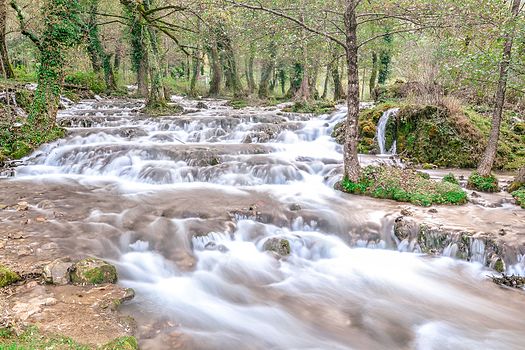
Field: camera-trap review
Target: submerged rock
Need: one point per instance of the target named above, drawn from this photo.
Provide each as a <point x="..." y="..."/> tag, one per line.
<point x="58" y="272"/>
<point x="7" y="276"/>
<point x="278" y="245"/>
<point x="93" y="271"/>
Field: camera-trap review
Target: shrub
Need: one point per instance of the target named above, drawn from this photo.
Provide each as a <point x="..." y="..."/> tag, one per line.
<point x="90" y="80"/>
<point x="404" y="185"/>
<point x="451" y="178"/>
<point x="483" y="183"/>
<point x="519" y="196"/>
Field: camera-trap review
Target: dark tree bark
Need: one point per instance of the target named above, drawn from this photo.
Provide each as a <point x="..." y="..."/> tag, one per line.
<point x="250" y="79"/>
<point x="352" y="169"/>
<point x="487" y="161"/>
<point x="267" y="71"/>
<point x="196" y="71"/>
<point x="5" y="65"/>
<point x="216" y="71"/>
<point x="296" y="80"/>
<point x="373" y="75"/>
<point x="326" y="81"/>
<point x="339" y="93"/>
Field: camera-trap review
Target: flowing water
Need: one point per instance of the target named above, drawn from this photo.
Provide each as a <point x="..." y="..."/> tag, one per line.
<point x="381" y="132"/>
<point x="183" y="206"/>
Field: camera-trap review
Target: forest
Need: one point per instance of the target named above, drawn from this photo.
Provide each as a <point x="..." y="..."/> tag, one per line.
<point x="262" y="174"/>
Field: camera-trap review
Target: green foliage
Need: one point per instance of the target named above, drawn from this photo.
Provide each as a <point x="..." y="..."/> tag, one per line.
<point x="404" y="185"/>
<point x="483" y="183"/>
<point x="23" y="73"/>
<point x="451" y="178"/>
<point x="122" y="343"/>
<point x="7" y="276"/>
<point x="238" y="103"/>
<point x="90" y="80"/>
<point x="519" y="196"/>
<point x="317" y="107"/>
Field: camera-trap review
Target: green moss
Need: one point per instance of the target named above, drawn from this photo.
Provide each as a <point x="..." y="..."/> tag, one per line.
<point x="483" y="183"/>
<point x="122" y="343"/>
<point x="519" y="196"/>
<point x="238" y="104"/>
<point x="316" y="107"/>
<point x="92" y="271"/>
<point x="7" y="276"/>
<point x="159" y="110"/>
<point x="499" y="266"/>
<point x="33" y="339"/>
<point x="451" y="178"/>
<point x="404" y="185"/>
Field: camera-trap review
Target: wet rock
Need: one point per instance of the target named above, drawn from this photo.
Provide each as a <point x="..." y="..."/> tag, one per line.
<point x="58" y="272"/>
<point x="7" y="276"/>
<point x="201" y="105"/>
<point x="433" y="211"/>
<point x="278" y="245"/>
<point x="406" y="212"/>
<point x="295" y="207"/>
<point x="475" y="195"/>
<point x="22" y="206"/>
<point x="93" y="271"/>
<point x="502" y="232"/>
<point x="405" y="228"/>
<point x="498" y="264"/>
<point x="509" y="281"/>
<point x="16" y="235"/>
<point x="24" y="251"/>
<point x="122" y="343"/>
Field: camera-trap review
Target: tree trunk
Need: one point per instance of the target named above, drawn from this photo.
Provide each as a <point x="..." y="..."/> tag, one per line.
<point x="282" y="80"/>
<point x="156" y="95"/>
<point x="352" y="169"/>
<point x="373" y="74"/>
<point x="216" y="72"/>
<point x="196" y="71"/>
<point x="338" y="85"/>
<point x="487" y="161"/>
<point x="296" y="80"/>
<point x="250" y="79"/>
<point x="313" y="81"/>
<point x="142" y="78"/>
<point x="139" y="53"/>
<point x="267" y="71"/>
<point x="5" y="66"/>
<point x="385" y="57"/>
<point x="326" y="79"/>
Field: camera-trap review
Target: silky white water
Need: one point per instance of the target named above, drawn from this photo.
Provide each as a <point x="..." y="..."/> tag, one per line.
<point x="381" y="132"/>
<point x="183" y="206"/>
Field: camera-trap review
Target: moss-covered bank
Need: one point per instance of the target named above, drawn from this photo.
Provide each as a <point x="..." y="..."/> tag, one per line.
<point x="404" y="185"/>
<point x="433" y="135"/>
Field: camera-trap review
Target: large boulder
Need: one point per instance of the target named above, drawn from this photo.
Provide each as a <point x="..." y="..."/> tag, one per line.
<point x="7" y="276"/>
<point x="93" y="271"/>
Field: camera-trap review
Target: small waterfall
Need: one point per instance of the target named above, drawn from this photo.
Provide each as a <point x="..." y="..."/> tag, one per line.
<point x="381" y="131"/>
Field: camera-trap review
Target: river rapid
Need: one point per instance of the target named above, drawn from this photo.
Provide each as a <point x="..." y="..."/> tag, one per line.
<point x="183" y="206"/>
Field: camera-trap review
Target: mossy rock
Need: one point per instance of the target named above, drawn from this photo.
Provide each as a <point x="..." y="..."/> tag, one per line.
<point x="122" y="343"/>
<point x="93" y="271"/>
<point x="451" y="178"/>
<point x="278" y="245"/>
<point x="7" y="276"/>
<point x="483" y="183"/>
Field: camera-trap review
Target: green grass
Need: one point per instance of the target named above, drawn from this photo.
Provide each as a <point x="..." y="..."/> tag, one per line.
<point x="91" y="80"/>
<point x="404" y="185"/>
<point x="483" y="183"/>
<point x="33" y="339"/>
